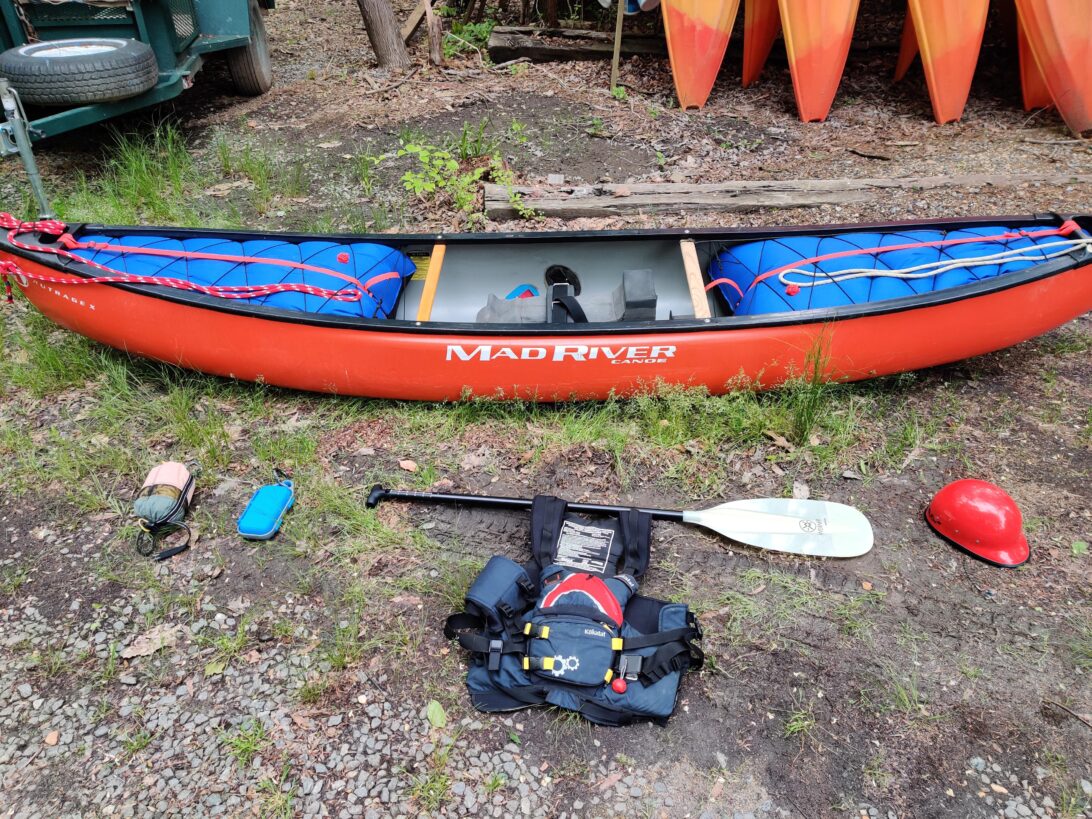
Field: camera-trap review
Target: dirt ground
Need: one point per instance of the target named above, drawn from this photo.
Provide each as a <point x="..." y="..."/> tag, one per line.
<point x="912" y="682"/>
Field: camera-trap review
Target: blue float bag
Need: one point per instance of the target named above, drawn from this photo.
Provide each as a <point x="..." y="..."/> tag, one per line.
<point x="363" y="261"/>
<point x="740" y="272"/>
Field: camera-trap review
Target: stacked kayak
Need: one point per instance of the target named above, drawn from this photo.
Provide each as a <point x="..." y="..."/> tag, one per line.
<point x="587" y="315"/>
<point x="697" y="34"/>
<point x="949" y="37"/>
<point x="1058" y="39"/>
<point x="1054" y="41"/>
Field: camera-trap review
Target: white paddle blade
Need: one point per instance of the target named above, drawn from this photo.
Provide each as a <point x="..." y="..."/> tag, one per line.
<point x="799" y="527"/>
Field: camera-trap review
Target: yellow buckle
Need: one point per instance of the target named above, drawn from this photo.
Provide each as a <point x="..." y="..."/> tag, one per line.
<point x="616" y="643"/>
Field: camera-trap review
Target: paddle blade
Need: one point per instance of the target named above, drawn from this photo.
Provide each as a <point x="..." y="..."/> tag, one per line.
<point x="799" y="527"/>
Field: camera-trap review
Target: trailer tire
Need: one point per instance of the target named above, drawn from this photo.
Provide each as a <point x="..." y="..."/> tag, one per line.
<point x="80" y="71"/>
<point x="250" y="67"/>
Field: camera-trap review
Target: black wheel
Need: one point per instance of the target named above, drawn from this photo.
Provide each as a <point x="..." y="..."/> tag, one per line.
<point x="250" y="66"/>
<point x="80" y="71"/>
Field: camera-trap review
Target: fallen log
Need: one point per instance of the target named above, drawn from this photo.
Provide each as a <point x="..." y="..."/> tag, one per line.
<point x="572" y="202"/>
<point x="544" y="45"/>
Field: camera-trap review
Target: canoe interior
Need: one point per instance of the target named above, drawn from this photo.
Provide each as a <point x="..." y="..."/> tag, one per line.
<point x="471" y="272"/>
<point x="699" y="275"/>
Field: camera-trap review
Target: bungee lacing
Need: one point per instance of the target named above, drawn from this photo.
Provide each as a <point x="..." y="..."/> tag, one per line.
<point x="815" y="278"/>
<point x="65" y="243"/>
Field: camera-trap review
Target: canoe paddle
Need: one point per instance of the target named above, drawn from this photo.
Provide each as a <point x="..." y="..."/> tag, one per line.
<point x="800" y="527"/>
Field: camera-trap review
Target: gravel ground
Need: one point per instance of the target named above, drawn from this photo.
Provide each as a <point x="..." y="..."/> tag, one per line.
<point x="254" y="705"/>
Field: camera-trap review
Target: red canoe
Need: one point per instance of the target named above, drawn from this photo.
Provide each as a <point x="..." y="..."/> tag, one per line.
<point x="557" y="315"/>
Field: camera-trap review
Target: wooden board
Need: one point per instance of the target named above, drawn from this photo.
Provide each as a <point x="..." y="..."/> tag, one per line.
<point x="544" y="45"/>
<point x="569" y="202"/>
<point x="414" y="20"/>
<point x="694" y="279"/>
<point x="432" y="281"/>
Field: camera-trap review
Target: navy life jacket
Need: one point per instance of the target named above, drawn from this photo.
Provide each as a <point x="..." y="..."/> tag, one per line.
<point x="569" y="628"/>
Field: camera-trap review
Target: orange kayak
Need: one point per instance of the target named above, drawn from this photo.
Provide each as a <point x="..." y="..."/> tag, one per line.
<point x="1036" y="93"/>
<point x="949" y="37"/>
<point x="1059" y="34"/>
<point x="697" y="37"/>
<point x="817" y="37"/>
<point x="761" y="23"/>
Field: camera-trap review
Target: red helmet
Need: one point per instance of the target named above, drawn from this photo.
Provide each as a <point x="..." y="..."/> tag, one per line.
<point x="982" y="519"/>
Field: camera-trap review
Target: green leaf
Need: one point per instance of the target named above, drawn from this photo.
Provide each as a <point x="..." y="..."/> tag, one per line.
<point x="436" y="714"/>
<point x="1079" y="547"/>
<point x="215" y="667"/>
<point x="513" y="737"/>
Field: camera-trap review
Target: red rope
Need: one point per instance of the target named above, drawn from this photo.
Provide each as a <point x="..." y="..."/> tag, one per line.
<point x="1064" y="230"/>
<point x="56" y="228"/>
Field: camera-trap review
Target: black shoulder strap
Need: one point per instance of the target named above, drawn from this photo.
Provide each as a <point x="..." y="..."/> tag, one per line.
<point x="547" y="514"/>
<point x="636" y="539"/>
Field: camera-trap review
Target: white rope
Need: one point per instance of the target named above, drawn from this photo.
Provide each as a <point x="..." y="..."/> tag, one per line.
<point x="816" y="278"/>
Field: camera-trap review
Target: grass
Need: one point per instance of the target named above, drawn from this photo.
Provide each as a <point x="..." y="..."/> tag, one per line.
<point x="136" y="742"/>
<point x="903" y="694"/>
<point x="1072" y="803"/>
<point x="12" y="579"/>
<point x="246" y="743"/>
<point x="44" y="358"/>
<point x="851" y="613"/>
<point x="799" y="723"/>
<point x="274" y="799"/>
<point x="1081" y="647"/>
<point x="312" y="691"/>
<point x="876" y="772"/>
<point x="145" y="177"/>
<point x="431" y="790"/>
<point x="344" y="648"/>
<point x="226" y="646"/>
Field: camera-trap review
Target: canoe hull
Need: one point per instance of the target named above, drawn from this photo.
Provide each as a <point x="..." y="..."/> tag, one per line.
<point x="366" y="360"/>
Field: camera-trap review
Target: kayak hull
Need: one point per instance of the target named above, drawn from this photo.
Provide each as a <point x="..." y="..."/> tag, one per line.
<point x="949" y="37"/>
<point x="697" y="34"/>
<point x="1059" y="35"/>
<point x="411" y="360"/>
<point x="761" y="24"/>
<point x="818" y="34"/>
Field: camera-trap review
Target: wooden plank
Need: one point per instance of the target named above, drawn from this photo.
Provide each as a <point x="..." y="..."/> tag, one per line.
<point x="432" y="281"/>
<point x="544" y="45"/>
<point x="572" y="202"/>
<point x="413" y="22"/>
<point x="694" y="279"/>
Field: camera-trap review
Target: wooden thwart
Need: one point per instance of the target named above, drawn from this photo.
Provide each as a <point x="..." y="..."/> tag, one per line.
<point x="694" y="279"/>
<point x="432" y="281"/>
<point x="572" y="202"/>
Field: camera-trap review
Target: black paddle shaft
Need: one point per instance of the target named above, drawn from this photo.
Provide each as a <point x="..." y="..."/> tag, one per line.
<point x="380" y="493"/>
